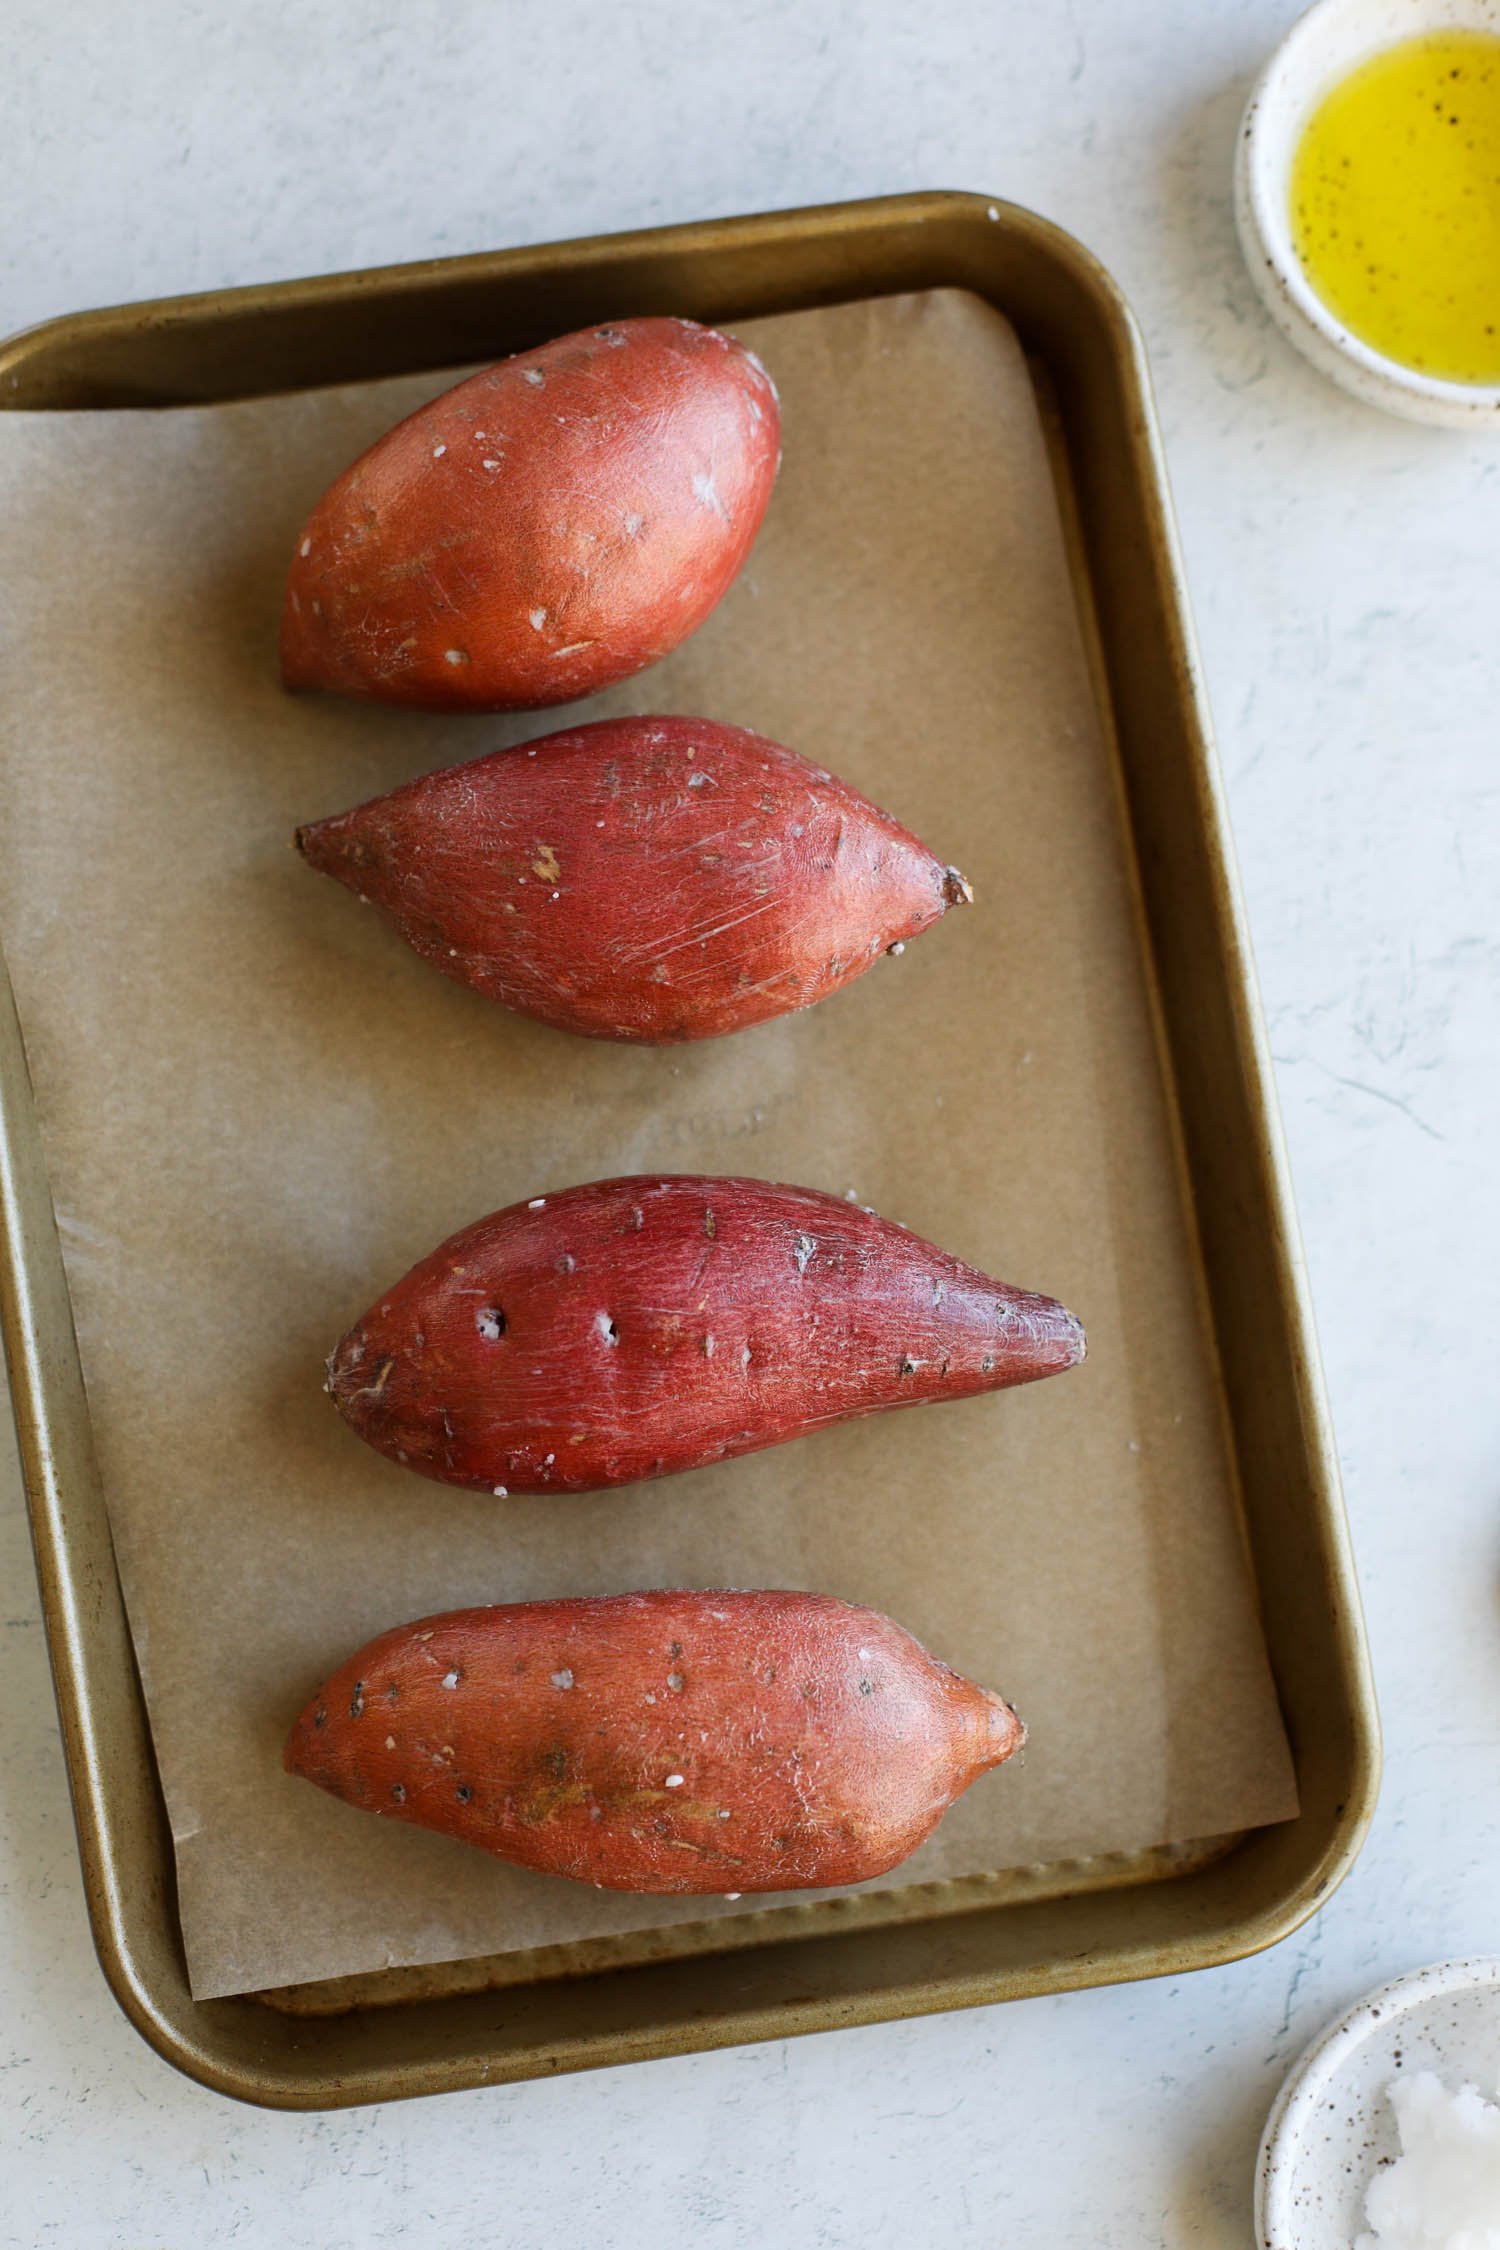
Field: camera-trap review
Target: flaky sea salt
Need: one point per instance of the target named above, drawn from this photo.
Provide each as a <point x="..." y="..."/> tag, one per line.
<point x="1443" y="2191"/>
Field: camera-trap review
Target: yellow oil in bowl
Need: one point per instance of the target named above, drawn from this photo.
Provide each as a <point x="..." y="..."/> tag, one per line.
<point x="1395" y="204"/>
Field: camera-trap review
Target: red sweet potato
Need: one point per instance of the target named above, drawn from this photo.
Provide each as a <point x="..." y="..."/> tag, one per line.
<point x="635" y="1327"/>
<point x="660" y="1742"/>
<point x="649" y="879"/>
<point x="547" y="527"/>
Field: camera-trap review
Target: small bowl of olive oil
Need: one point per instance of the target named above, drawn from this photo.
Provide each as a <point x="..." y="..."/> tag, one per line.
<point x="1367" y="194"/>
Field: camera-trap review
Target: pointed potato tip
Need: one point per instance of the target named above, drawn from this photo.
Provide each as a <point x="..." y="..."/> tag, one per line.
<point x="335" y="1374"/>
<point x="304" y="657"/>
<point x="298" y="671"/>
<point x="299" y="1737"/>
<point x="1052" y="1339"/>
<point x="957" y="890"/>
<point x="324" y="846"/>
<point x="1007" y="1729"/>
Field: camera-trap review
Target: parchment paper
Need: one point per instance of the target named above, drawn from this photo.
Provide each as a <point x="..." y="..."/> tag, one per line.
<point x="259" y="1108"/>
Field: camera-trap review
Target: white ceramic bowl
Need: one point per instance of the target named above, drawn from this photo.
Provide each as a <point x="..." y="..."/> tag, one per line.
<point x="1322" y="47"/>
<point x="1332" y="2124"/>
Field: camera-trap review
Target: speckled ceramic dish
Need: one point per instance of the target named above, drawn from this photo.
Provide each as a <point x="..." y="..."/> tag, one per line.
<point x="1322" y="47"/>
<point x="1332" y="2126"/>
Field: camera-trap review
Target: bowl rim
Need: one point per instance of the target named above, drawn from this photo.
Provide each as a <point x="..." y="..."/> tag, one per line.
<point x="1287" y="82"/>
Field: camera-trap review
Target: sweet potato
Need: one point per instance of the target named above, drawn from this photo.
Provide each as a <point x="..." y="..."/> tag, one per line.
<point x="659" y="1742"/>
<point x="649" y="879"/>
<point x="547" y="527"/>
<point x="635" y="1327"/>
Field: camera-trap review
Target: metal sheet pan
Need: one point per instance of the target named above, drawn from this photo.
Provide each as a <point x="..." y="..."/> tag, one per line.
<point x="1159" y="1913"/>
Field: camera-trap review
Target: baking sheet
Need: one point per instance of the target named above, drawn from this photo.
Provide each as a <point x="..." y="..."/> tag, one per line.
<point x="258" y="1109"/>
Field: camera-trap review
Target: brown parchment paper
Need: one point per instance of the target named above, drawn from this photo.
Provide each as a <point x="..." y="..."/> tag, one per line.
<point x="258" y="1108"/>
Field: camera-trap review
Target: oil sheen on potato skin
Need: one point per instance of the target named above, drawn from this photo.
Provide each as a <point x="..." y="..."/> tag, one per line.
<point x="1395" y="204"/>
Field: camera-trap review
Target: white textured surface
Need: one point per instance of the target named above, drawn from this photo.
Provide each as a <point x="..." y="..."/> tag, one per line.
<point x="1344" y="573"/>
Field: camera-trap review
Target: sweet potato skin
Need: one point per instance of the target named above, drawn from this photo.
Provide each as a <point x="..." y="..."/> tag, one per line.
<point x="549" y="526"/>
<point x="652" y="879"/>
<point x="663" y="1742"/>
<point x="635" y="1327"/>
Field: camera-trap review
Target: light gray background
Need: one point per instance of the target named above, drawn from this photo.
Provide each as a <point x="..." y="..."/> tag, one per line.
<point x="1344" y="571"/>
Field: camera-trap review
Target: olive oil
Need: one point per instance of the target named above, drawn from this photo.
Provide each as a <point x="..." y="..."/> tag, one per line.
<point x="1395" y="204"/>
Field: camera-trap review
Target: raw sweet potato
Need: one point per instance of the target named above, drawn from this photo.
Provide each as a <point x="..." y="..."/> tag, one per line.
<point x="660" y="1742"/>
<point x="634" y="1327"/>
<point x="650" y="879"/>
<point x="547" y="527"/>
